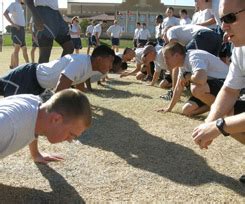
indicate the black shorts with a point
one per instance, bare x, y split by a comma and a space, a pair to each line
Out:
214, 87
142, 42
197, 101
21, 80
18, 36
55, 27
93, 40
168, 78
77, 43
239, 107
115, 41
90, 41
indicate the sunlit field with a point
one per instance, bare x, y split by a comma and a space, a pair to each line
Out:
131, 153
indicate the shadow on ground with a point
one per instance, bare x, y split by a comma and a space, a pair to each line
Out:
111, 92
62, 192
115, 133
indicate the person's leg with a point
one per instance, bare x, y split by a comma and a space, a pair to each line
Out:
33, 54
202, 92
15, 56
44, 54
25, 55
68, 48
164, 84
194, 107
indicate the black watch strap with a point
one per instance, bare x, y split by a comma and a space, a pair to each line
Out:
220, 123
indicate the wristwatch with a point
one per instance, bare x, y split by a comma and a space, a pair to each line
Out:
220, 123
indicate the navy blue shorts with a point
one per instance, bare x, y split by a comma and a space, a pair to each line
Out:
93, 40
55, 27
142, 42
90, 41
115, 41
21, 80
206, 40
18, 36
77, 43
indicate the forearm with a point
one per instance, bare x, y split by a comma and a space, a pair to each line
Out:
33, 147
235, 124
155, 78
176, 94
6, 15
208, 22
137, 69
199, 78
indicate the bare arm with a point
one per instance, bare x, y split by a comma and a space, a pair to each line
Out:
205, 133
154, 78
137, 69
199, 77
63, 83
176, 95
38, 157
208, 22
6, 15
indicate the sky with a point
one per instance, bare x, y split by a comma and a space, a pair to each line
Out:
63, 4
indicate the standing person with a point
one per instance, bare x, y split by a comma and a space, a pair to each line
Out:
75, 31
169, 21
59, 74
17, 21
158, 30
202, 70
33, 39
144, 35
232, 15
184, 19
115, 32
62, 118
136, 34
97, 32
89, 32
205, 16
51, 26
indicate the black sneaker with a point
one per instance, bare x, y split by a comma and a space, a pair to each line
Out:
242, 179
168, 95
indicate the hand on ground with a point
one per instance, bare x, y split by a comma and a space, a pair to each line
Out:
45, 158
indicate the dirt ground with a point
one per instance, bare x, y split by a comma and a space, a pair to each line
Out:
131, 153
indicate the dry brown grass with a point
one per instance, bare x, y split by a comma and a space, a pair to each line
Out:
131, 153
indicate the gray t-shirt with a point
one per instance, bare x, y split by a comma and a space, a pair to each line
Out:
18, 115
201, 60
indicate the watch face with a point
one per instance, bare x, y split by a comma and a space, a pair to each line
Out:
220, 123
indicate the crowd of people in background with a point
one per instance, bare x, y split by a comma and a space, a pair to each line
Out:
192, 53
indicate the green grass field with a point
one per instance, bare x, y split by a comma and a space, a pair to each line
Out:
123, 43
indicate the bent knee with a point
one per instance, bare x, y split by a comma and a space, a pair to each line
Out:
189, 108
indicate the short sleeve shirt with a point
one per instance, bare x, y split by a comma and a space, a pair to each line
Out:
236, 76
76, 67
17, 13
201, 60
53, 4
18, 115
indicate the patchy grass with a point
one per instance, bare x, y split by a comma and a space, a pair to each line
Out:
131, 153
